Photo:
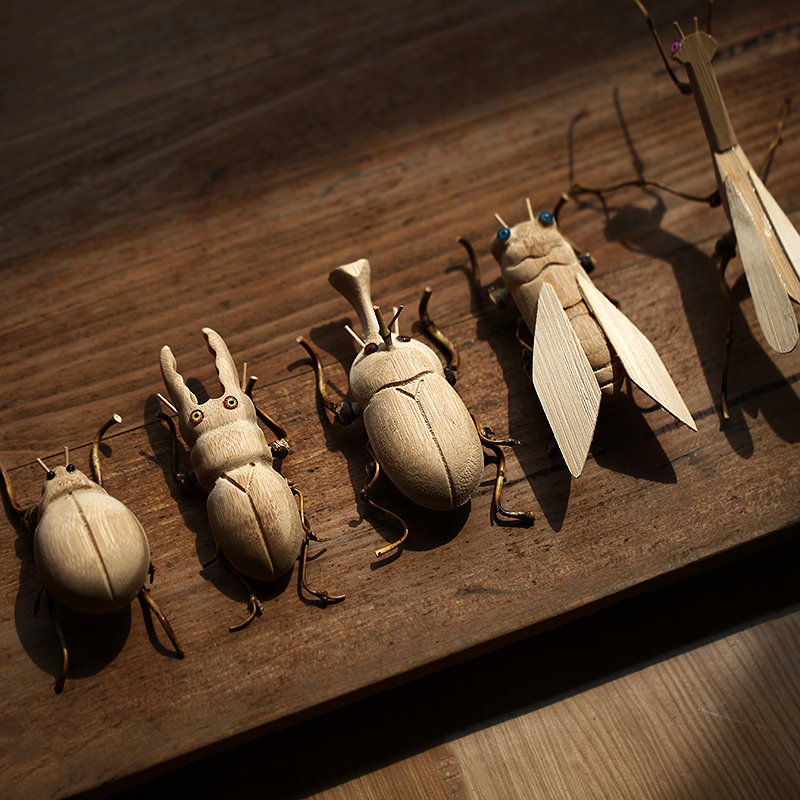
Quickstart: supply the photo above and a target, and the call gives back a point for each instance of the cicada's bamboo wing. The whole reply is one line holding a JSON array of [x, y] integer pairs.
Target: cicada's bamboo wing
[[637, 354], [760, 252], [786, 233], [564, 381]]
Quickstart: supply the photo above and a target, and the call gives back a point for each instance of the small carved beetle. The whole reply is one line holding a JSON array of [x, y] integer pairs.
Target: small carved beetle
[[419, 429], [252, 510], [583, 346], [90, 550]]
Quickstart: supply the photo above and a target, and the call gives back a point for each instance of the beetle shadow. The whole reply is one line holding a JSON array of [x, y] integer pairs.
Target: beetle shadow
[[191, 505], [426, 532]]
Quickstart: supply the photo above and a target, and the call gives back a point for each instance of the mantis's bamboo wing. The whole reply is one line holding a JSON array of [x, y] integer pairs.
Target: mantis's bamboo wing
[[564, 381], [761, 251], [787, 235], [636, 352]]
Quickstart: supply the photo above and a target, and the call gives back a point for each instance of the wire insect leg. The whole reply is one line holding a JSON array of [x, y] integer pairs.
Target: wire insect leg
[[184, 479], [309, 535], [344, 412], [147, 601], [442, 342], [373, 471], [51, 611], [726, 250], [487, 440]]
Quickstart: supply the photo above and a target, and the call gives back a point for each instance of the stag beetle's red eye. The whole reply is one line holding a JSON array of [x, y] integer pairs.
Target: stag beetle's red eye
[[230, 402], [370, 348], [196, 417], [403, 338]]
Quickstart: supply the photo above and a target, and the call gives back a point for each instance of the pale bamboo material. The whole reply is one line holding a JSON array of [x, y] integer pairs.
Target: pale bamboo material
[[582, 345]]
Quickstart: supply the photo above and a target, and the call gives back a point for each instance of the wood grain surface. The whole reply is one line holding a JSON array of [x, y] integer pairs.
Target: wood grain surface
[[168, 166]]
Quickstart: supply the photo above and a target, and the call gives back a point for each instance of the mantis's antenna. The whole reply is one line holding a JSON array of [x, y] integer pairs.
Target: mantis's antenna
[[500, 220], [684, 87], [358, 339], [167, 402], [710, 12], [678, 28]]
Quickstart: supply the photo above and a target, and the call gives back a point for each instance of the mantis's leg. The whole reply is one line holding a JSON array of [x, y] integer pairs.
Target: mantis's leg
[[309, 534], [726, 249]]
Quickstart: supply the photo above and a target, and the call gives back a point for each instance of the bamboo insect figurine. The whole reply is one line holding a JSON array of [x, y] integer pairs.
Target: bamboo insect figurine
[[252, 510], [769, 244], [90, 550], [583, 346], [420, 432]]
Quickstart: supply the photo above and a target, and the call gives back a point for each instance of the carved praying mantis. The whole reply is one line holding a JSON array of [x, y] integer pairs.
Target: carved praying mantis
[[769, 245]]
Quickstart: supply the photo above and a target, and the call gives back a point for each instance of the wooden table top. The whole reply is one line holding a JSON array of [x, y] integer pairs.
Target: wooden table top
[[169, 167]]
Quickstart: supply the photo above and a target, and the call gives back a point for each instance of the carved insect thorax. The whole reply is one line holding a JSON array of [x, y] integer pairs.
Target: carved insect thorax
[[251, 509], [534, 252], [90, 549]]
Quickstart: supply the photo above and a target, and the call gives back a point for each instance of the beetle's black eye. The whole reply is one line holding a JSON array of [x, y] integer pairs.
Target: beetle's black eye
[[403, 338], [370, 348], [546, 218], [230, 402], [196, 417], [70, 468], [504, 234], [50, 475]]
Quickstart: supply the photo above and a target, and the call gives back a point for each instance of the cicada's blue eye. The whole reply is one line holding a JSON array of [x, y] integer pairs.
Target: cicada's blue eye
[[546, 218], [504, 234], [674, 47]]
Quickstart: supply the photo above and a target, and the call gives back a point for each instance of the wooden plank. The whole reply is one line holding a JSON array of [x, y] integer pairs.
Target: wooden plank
[[168, 177]]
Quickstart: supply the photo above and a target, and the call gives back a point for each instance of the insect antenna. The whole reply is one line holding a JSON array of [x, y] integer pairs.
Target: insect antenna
[[66, 455], [167, 402], [383, 328], [684, 87], [359, 341], [710, 12], [43, 465], [530, 210], [500, 220]]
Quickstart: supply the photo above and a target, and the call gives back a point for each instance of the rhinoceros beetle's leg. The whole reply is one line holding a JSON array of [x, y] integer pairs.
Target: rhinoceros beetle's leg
[[437, 337], [486, 436], [147, 601], [344, 412], [309, 534], [373, 471]]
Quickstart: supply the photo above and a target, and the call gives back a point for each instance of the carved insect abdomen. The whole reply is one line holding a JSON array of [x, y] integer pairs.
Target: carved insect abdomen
[[102, 564]]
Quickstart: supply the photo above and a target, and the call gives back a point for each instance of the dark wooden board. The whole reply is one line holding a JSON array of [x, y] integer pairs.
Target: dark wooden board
[[169, 167]]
